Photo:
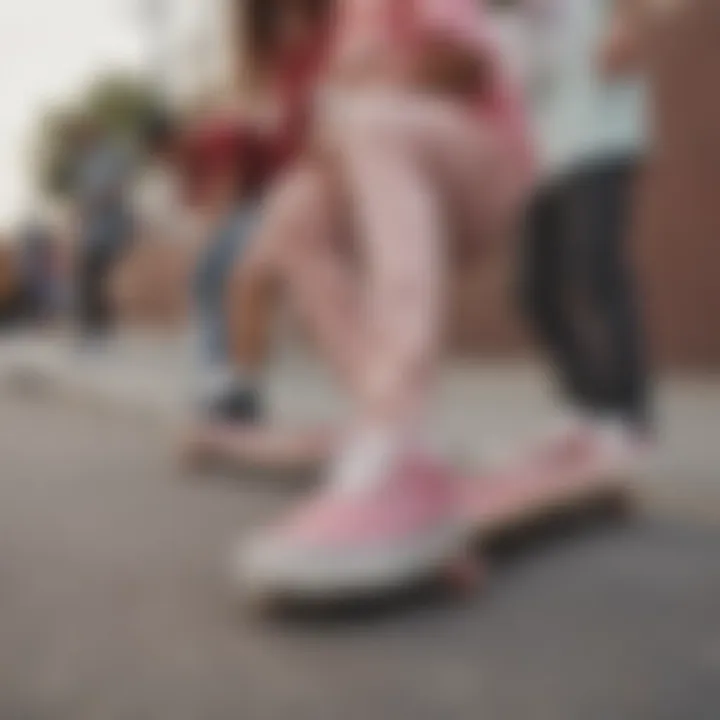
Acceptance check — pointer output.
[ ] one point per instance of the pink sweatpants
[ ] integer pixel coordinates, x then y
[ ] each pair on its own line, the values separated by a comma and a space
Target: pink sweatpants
416, 175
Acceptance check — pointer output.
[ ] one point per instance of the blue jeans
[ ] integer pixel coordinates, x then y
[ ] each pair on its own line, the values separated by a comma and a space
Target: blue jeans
212, 275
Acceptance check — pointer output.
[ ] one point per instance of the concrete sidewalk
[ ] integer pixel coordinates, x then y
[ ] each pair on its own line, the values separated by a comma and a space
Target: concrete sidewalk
151, 378
482, 410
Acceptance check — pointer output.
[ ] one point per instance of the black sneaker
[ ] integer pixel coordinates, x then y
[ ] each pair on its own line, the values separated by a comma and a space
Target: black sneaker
236, 406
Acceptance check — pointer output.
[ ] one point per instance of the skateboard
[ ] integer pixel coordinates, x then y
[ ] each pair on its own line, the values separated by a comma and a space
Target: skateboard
257, 448
516, 498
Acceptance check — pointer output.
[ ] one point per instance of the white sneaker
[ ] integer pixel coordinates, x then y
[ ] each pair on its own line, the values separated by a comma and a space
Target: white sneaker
625, 449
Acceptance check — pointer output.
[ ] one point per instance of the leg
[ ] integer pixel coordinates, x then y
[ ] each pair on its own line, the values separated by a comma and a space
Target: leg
250, 307
296, 246
213, 268
225, 394
409, 163
390, 513
597, 326
564, 280
546, 294
398, 218
293, 247
91, 292
113, 239
612, 297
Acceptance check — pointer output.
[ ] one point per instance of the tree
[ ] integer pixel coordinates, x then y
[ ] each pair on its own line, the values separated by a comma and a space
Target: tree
121, 105
118, 104
53, 155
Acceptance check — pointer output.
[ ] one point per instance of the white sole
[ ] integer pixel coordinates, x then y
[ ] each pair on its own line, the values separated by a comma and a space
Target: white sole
357, 574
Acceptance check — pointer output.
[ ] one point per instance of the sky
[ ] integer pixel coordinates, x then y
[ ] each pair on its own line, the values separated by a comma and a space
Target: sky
49, 49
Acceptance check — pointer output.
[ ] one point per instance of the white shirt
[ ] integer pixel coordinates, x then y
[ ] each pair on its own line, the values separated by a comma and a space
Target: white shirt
578, 116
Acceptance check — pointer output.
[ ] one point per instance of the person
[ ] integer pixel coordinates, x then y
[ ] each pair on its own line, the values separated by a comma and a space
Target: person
419, 151
585, 73
37, 249
236, 152
102, 189
12, 300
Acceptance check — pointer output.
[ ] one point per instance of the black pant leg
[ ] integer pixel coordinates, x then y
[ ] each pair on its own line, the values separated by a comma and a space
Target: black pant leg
546, 289
622, 383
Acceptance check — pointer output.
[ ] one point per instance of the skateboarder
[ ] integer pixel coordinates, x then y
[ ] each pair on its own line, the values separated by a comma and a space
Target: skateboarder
102, 189
237, 152
421, 138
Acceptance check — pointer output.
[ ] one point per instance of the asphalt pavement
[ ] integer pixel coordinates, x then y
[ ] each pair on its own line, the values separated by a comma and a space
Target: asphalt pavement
115, 604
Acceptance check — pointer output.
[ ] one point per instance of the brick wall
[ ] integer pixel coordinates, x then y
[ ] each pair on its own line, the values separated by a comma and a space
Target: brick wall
677, 228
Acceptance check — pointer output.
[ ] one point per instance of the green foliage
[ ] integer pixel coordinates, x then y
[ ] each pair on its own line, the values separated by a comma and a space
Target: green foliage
117, 104
120, 105
53, 159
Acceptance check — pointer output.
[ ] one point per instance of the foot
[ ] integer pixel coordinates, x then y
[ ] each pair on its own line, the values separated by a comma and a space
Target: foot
218, 418
356, 539
241, 406
228, 395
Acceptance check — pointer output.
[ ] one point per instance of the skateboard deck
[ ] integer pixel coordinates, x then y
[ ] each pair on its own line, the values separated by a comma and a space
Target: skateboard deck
258, 448
517, 498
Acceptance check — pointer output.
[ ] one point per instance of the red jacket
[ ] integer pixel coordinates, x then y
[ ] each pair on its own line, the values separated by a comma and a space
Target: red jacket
226, 149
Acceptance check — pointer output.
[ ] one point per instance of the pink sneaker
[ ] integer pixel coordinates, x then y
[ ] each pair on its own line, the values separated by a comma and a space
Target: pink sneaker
362, 540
